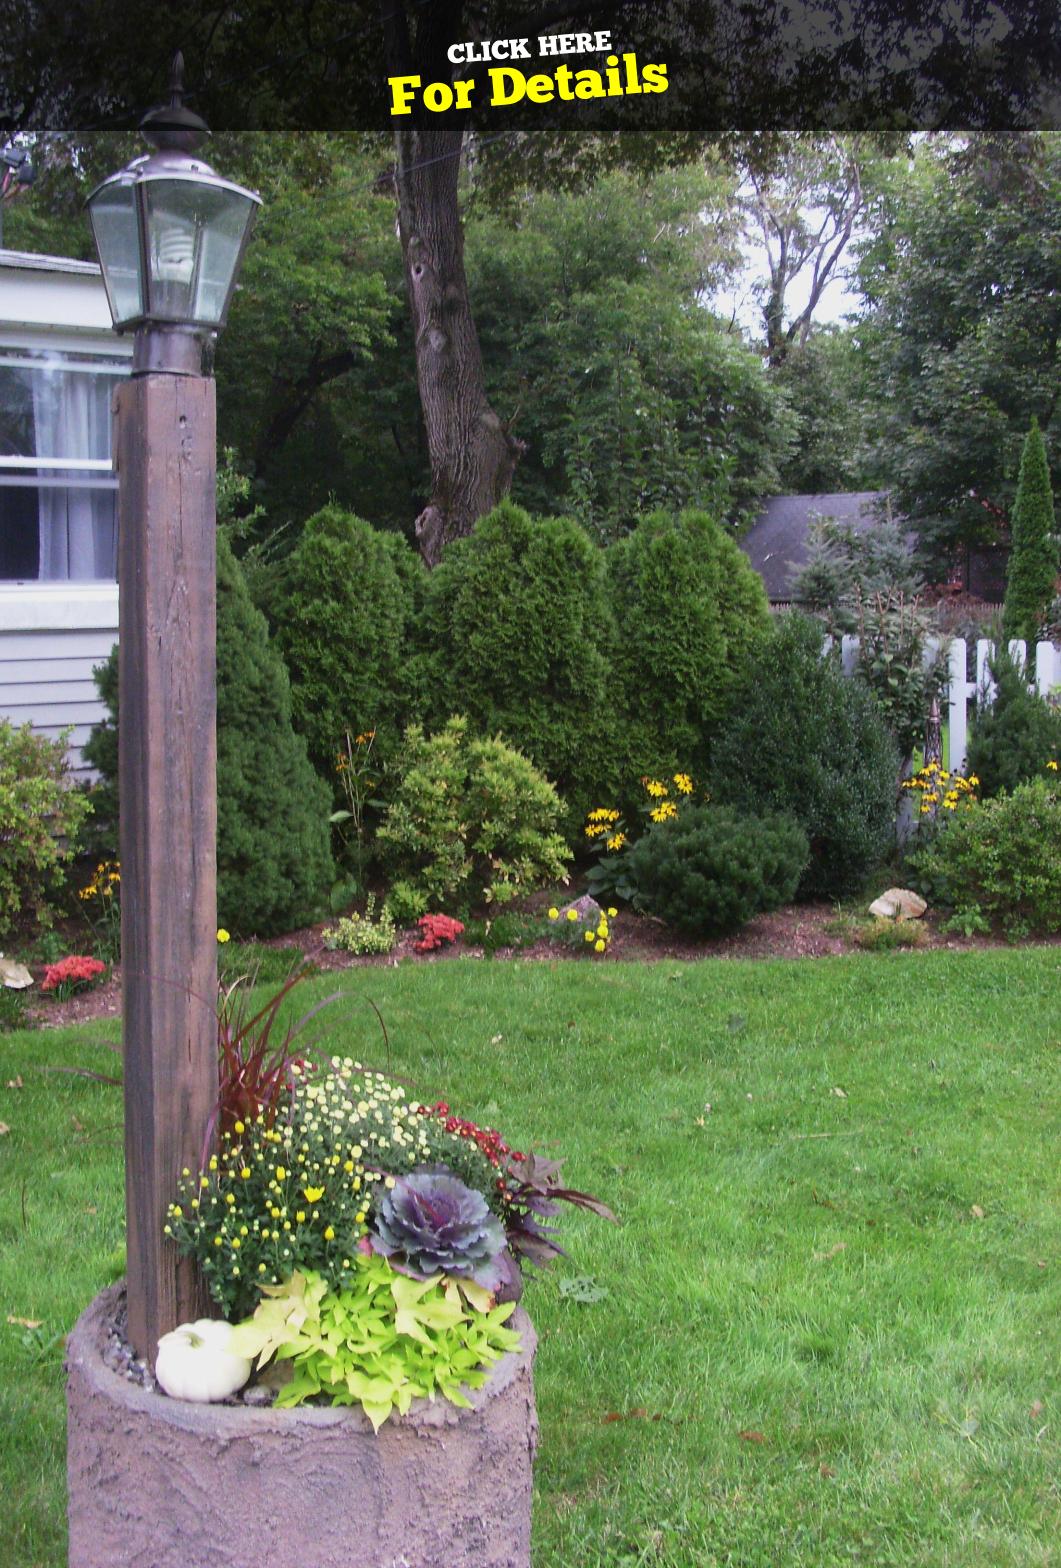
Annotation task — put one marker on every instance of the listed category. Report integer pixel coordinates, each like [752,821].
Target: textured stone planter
[157,1483]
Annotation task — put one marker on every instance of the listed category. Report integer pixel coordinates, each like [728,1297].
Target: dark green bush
[517,632]
[1014,738]
[1001,859]
[710,870]
[341,614]
[691,611]
[274,864]
[807,740]
[471,821]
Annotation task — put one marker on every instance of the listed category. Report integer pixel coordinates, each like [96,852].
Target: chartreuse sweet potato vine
[381,1340]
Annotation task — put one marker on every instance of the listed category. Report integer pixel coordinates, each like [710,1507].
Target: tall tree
[629,394]
[1031,576]
[267,65]
[963,332]
[804,198]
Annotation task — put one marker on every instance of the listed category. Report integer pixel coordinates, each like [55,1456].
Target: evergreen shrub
[274,863]
[691,612]
[1001,860]
[341,610]
[710,870]
[517,633]
[805,739]
[1031,575]
[1016,736]
[471,821]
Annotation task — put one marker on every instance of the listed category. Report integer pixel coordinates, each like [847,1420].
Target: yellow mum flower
[599,947]
[589,936]
[572,914]
[612,913]
[313,1193]
[223,935]
[554,914]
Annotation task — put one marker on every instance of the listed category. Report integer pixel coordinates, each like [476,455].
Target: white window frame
[66,351]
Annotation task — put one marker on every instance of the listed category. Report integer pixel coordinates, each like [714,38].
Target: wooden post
[166,459]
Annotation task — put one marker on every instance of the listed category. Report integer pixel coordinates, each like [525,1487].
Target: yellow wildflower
[223,935]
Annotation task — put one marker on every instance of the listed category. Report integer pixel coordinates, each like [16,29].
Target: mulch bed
[797,931]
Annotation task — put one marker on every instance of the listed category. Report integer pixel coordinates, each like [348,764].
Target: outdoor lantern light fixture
[170,235]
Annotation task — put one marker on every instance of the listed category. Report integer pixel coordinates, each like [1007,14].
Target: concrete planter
[157,1483]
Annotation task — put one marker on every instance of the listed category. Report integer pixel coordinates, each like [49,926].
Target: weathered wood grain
[167,762]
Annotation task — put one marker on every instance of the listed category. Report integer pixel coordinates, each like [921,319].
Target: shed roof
[776,543]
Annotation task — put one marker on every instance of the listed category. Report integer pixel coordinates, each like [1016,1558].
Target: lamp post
[170,235]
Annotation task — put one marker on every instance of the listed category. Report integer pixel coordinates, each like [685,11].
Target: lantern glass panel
[112,212]
[194,236]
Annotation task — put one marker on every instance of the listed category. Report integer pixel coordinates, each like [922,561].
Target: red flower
[436,929]
[72,972]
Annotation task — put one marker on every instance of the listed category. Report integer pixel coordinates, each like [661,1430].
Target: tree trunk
[473,457]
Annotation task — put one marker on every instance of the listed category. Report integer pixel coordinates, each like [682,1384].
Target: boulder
[898,903]
[16,977]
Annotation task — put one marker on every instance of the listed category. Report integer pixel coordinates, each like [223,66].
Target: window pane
[49,409]
[58,529]
[19,534]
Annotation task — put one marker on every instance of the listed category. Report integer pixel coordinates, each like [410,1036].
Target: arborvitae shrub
[471,821]
[805,739]
[1031,576]
[710,870]
[1014,738]
[274,864]
[691,612]
[341,613]
[274,857]
[517,631]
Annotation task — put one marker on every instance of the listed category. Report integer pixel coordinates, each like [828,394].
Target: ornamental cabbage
[431,1223]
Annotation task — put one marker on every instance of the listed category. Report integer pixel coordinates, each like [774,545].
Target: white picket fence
[960,691]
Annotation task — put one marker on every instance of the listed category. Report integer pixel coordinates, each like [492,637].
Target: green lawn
[830,1333]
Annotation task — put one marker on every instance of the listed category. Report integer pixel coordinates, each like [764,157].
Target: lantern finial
[172,126]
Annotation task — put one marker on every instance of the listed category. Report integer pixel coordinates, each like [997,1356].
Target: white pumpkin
[195,1362]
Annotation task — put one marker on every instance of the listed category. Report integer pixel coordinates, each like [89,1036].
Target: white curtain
[71,412]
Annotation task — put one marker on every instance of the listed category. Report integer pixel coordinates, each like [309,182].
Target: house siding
[52,637]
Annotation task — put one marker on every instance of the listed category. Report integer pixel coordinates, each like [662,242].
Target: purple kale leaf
[430,1223]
